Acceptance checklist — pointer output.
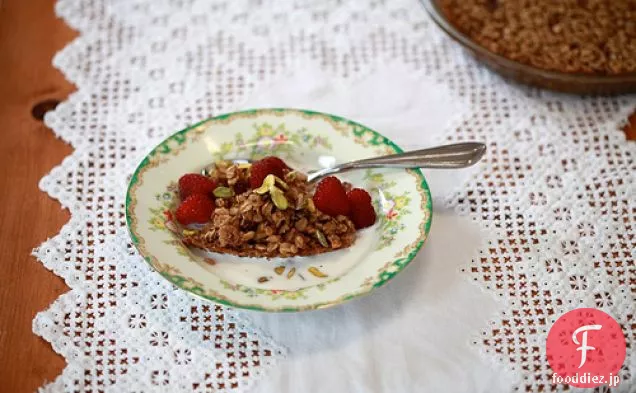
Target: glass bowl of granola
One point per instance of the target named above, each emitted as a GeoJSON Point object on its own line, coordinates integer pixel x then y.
{"type": "Point", "coordinates": [573, 46]}
{"type": "Point", "coordinates": [224, 211]}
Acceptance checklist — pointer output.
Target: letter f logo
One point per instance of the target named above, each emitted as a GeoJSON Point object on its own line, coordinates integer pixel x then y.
{"type": "Point", "coordinates": [584, 347]}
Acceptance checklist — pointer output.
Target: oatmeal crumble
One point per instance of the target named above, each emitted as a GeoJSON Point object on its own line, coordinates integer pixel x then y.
{"type": "Point", "coordinates": [573, 36]}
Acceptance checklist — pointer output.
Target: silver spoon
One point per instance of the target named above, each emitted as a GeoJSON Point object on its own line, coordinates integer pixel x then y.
{"type": "Point", "coordinates": [458, 155]}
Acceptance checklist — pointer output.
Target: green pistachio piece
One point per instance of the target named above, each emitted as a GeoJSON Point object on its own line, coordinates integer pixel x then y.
{"type": "Point", "coordinates": [321, 238]}
{"type": "Point", "coordinates": [278, 197]}
{"type": "Point", "coordinates": [268, 183]}
{"type": "Point", "coordinates": [280, 182]}
{"type": "Point", "coordinates": [188, 232]}
{"type": "Point", "coordinates": [223, 192]}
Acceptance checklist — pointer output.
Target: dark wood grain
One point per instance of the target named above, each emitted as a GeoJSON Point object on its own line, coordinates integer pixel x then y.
{"type": "Point", "coordinates": [30, 35]}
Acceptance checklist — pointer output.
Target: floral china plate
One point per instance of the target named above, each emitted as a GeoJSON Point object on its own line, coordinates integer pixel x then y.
{"type": "Point", "coordinates": [306, 141]}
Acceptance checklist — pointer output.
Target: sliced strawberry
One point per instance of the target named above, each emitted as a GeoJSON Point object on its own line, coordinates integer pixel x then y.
{"type": "Point", "coordinates": [331, 198]}
{"type": "Point", "coordinates": [194, 183]}
{"type": "Point", "coordinates": [195, 209]}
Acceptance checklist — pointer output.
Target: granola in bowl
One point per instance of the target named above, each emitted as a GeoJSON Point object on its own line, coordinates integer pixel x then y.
{"type": "Point", "coordinates": [266, 209]}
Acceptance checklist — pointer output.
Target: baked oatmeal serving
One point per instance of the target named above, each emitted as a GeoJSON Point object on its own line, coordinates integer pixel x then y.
{"type": "Point", "coordinates": [267, 209]}
{"type": "Point", "coordinates": [570, 36]}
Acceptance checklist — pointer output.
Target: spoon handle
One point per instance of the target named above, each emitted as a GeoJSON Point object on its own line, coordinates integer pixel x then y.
{"type": "Point", "coordinates": [458, 155]}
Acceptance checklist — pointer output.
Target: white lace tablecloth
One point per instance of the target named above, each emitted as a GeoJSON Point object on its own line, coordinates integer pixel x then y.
{"type": "Point", "coordinates": [545, 224]}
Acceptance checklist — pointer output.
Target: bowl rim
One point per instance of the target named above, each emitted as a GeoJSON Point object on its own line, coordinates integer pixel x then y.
{"type": "Point", "coordinates": [440, 19]}
{"type": "Point", "coordinates": [417, 245]}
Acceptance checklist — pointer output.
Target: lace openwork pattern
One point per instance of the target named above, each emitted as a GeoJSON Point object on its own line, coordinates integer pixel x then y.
{"type": "Point", "coordinates": [557, 184]}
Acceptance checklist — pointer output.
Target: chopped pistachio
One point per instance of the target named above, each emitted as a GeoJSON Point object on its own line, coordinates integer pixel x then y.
{"type": "Point", "coordinates": [223, 192]}
{"type": "Point", "coordinates": [278, 197]}
{"type": "Point", "coordinates": [291, 273]}
{"type": "Point", "coordinates": [268, 183]}
{"type": "Point", "coordinates": [316, 272]}
{"type": "Point", "coordinates": [188, 232]}
{"type": "Point", "coordinates": [280, 182]}
{"type": "Point", "coordinates": [321, 238]}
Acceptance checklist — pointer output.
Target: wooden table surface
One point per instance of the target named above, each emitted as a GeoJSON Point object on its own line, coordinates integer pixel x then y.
{"type": "Point", "coordinates": [30, 35]}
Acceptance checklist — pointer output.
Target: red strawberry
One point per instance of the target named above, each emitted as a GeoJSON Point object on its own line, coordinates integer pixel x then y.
{"type": "Point", "coordinates": [197, 208]}
{"type": "Point", "coordinates": [358, 196]}
{"type": "Point", "coordinates": [331, 198]}
{"type": "Point", "coordinates": [277, 162]}
{"type": "Point", "coordinates": [194, 183]}
{"type": "Point", "coordinates": [363, 215]}
{"type": "Point", "coordinates": [362, 212]}
{"type": "Point", "coordinates": [267, 166]}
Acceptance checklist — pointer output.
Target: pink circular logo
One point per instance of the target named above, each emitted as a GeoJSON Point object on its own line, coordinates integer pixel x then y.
{"type": "Point", "coordinates": [586, 348]}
